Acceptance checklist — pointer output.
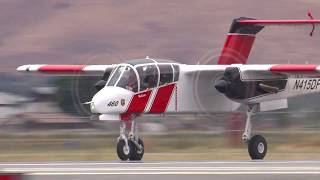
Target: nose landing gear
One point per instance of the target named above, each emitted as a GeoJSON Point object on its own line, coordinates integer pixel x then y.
{"type": "Point", "coordinates": [257, 145]}
{"type": "Point", "coordinates": [130, 146]}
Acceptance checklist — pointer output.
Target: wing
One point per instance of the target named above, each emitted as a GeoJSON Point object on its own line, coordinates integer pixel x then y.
{"type": "Point", "coordinates": [67, 69]}
{"type": "Point", "coordinates": [260, 72]}
{"type": "Point", "coordinates": [195, 69]}
{"type": "Point", "coordinates": [278, 71]}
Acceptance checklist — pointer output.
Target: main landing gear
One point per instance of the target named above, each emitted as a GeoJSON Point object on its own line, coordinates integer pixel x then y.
{"type": "Point", "coordinates": [257, 144]}
{"type": "Point", "coordinates": [130, 146]}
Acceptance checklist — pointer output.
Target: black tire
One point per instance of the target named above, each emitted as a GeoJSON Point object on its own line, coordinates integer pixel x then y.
{"type": "Point", "coordinates": [257, 147]}
{"type": "Point", "coordinates": [136, 154]}
{"type": "Point", "coordinates": [122, 153]}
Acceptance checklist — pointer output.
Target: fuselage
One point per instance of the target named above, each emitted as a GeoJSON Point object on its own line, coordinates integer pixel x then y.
{"type": "Point", "coordinates": [155, 87]}
{"type": "Point", "coordinates": [150, 86]}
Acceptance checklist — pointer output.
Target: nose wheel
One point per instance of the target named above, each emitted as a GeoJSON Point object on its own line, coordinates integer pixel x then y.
{"type": "Point", "coordinates": [130, 146]}
{"type": "Point", "coordinates": [257, 144]}
{"type": "Point", "coordinates": [137, 150]}
{"type": "Point", "coordinates": [123, 150]}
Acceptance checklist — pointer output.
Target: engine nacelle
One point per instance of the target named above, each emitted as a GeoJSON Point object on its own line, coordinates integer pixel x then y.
{"type": "Point", "coordinates": [239, 90]}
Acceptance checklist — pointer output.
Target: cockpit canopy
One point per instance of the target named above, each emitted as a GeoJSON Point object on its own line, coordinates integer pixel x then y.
{"type": "Point", "coordinates": [139, 75]}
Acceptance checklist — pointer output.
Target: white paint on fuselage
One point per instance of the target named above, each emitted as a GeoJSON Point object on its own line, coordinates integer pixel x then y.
{"type": "Point", "coordinates": [108, 100]}
{"type": "Point", "coordinates": [196, 93]}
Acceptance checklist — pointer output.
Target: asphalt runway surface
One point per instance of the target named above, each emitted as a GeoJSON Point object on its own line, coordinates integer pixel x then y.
{"type": "Point", "coordinates": [169, 170]}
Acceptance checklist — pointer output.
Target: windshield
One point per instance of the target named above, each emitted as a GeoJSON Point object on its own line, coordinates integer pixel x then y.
{"type": "Point", "coordinates": [115, 76]}
{"type": "Point", "coordinates": [124, 77]}
{"type": "Point", "coordinates": [128, 80]}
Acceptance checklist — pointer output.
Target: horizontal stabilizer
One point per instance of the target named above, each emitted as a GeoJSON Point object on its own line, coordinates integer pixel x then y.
{"type": "Point", "coordinates": [278, 22]}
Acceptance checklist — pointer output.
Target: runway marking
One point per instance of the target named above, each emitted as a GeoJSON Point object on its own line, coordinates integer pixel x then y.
{"type": "Point", "coordinates": [164, 168]}
{"type": "Point", "coordinates": [292, 168]}
{"type": "Point", "coordinates": [155, 163]}
{"type": "Point", "coordinates": [176, 173]}
{"type": "Point", "coordinates": [166, 171]}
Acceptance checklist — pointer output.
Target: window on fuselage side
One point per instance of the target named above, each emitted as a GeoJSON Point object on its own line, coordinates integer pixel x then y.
{"type": "Point", "coordinates": [166, 74]}
{"type": "Point", "coordinates": [176, 72]}
{"type": "Point", "coordinates": [148, 75]}
{"type": "Point", "coordinates": [128, 80]}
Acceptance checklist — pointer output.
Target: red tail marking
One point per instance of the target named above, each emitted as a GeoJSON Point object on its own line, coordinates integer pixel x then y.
{"type": "Point", "coordinates": [236, 49]}
{"type": "Point", "coordinates": [139, 102]}
{"type": "Point", "coordinates": [294, 68]}
{"type": "Point", "coordinates": [61, 68]}
{"type": "Point", "coordinates": [162, 98]}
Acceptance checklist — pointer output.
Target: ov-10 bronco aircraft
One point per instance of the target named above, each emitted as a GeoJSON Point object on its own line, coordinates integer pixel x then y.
{"type": "Point", "coordinates": [157, 86]}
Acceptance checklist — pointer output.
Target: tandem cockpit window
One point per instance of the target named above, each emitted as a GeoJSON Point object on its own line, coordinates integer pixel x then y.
{"type": "Point", "coordinates": [166, 74]}
{"type": "Point", "coordinates": [125, 77]}
{"type": "Point", "coordinates": [147, 76]}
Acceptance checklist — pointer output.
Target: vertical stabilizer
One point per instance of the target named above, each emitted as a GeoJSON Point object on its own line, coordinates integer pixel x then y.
{"type": "Point", "coordinates": [239, 42]}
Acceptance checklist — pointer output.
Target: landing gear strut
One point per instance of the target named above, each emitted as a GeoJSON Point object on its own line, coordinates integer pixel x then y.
{"type": "Point", "coordinates": [257, 145]}
{"type": "Point", "coordinates": [130, 146]}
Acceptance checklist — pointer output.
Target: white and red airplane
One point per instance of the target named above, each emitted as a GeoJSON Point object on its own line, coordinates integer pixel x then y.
{"type": "Point", "coordinates": [157, 86]}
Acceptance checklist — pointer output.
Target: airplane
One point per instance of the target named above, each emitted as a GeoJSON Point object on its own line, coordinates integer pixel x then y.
{"type": "Point", "coordinates": [141, 87]}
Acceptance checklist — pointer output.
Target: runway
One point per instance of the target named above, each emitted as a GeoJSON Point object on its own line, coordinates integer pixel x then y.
{"type": "Point", "coordinates": [230, 170]}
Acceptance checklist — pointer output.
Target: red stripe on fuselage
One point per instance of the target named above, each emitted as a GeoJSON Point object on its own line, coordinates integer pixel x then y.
{"type": "Point", "coordinates": [139, 102]}
{"type": "Point", "coordinates": [294, 68]}
{"type": "Point", "coordinates": [162, 98]}
{"type": "Point", "coordinates": [61, 68]}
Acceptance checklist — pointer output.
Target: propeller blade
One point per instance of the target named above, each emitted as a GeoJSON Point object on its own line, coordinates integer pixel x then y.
{"type": "Point", "coordinates": [87, 102]}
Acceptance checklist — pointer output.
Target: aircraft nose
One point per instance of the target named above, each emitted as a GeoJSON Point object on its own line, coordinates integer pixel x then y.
{"type": "Point", "coordinates": [98, 102]}
{"type": "Point", "coordinates": [112, 100]}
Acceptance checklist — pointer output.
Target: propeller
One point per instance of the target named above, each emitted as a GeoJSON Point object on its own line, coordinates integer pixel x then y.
{"type": "Point", "coordinates": [86, 103]}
